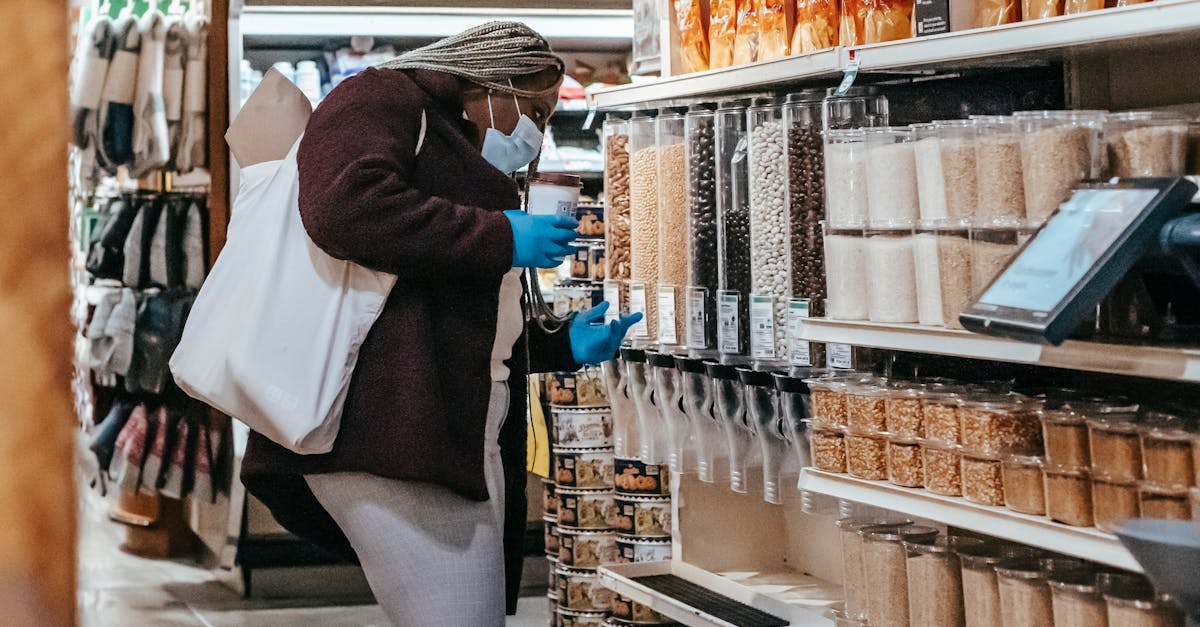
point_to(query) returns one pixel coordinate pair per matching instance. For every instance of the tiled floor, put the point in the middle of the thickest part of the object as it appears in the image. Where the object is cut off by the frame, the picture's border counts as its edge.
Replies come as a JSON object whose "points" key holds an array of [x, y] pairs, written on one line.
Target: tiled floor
{"points": [[120, 590]]}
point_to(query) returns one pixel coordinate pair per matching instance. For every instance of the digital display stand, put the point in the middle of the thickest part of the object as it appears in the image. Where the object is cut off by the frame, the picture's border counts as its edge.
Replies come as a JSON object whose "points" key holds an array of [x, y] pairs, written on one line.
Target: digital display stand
{"points": [[1082, 252]]}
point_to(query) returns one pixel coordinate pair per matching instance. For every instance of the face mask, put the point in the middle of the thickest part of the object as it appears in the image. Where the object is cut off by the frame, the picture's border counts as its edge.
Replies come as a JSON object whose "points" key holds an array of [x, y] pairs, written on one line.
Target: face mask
{"points": [[509, 153]]}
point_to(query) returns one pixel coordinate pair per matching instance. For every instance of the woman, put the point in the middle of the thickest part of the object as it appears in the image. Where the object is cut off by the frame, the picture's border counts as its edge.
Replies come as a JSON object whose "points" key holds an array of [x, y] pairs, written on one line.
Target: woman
{"points": [[406, 168]]}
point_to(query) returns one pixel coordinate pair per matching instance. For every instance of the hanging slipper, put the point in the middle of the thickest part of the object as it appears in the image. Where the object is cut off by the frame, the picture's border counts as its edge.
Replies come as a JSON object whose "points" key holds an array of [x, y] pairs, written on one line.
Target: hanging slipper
{"points": [[174, 65], [193, 147], [87, 86], [116, 103], [150, 142]]}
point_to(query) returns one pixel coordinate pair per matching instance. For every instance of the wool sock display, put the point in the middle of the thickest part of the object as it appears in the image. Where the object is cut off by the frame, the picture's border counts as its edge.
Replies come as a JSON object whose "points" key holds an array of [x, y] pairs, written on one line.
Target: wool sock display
{"points": [[87, 86], [150, 142], [174, 64], [193, 147], [116, 103]]}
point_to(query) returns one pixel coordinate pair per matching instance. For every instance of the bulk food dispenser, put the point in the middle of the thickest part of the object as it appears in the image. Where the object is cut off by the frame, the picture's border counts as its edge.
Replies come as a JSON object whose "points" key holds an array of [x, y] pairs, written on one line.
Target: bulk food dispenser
{"points": [[675, 435], [729, 401], [626, 441], [763, 416], [640, 388], [707, 436]]}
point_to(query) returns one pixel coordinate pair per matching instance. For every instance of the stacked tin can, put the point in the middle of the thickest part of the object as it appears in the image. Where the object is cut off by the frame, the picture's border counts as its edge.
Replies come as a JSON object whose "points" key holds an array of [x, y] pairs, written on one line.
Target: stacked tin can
{"points": [[582, 286]]}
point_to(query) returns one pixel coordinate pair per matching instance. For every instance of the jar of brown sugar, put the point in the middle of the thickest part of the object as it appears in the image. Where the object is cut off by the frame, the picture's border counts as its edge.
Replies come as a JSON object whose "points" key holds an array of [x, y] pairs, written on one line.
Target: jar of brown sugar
{"points": [[1115, 449], [1164, 502], [1065, 434], [1024, 485], [905, 466], [1114, 502], [982, 480], [998, 424], [943, 468], [1167, 451]]}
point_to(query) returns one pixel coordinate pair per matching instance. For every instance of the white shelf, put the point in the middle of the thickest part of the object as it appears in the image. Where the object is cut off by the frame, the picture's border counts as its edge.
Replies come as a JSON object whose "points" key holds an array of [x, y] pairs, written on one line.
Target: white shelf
{"points": [[1175, 364], [800, 599], [1158, 23], [1085, 542]]}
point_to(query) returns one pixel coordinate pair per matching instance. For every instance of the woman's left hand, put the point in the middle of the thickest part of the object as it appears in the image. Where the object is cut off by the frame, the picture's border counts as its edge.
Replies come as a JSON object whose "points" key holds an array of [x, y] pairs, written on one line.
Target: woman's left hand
{"points": [[592, 341]]}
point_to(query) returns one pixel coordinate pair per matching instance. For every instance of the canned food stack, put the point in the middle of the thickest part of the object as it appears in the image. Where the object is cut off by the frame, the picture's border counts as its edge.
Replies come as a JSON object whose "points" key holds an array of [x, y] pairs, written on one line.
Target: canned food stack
{"points": [[587, 267], [899, 574]]}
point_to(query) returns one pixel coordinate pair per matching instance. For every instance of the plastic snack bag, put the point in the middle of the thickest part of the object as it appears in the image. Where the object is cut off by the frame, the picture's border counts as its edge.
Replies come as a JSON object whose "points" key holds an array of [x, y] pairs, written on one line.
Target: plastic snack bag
{"points": [[722, 31], [745, 45], [816, 25], [1075, 7], [773, 29], [1040, 9], [693, 41], [996, 12], [852, 30], [887, 20]]}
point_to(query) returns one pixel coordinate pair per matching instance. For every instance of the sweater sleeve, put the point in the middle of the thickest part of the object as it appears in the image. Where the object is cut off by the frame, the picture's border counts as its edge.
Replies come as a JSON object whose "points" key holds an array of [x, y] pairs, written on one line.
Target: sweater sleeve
{"points": [[357, 200]]}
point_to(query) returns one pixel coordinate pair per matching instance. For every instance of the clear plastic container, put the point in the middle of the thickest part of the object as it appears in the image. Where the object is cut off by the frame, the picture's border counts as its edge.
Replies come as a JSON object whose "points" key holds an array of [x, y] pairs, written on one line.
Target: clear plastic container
{"points": [[763, 414], [828, 448], [1040, 9], [729, 402], [846, 197], [931, 180], [806, 197], [1144, 143], [700, 308], [954, 270], [1069, 496], [999, 424], [956, 141], [1024, 484], [640, 386], [1116, 450], [846, 272], [643, 212], [853, 572], [1025, 598], [1167, 450], [673, 236], [1058, 149], [928, 281], [891, 276], [858, 107], [841, 618], [616, 198], [1114, 502], [675, 429], [1065, 434], [999, 179], [875, 21], [866, 456], [1077, 600], [943, 468], [770, 248], [992, 247], [891, 175], [905, 466], [733, 231], [1132, 602], [829, 405], [1171, 503], [866, 408], [996, 12], [1194, 497], [903, 407], [698, 404], [939, 409], [885, 561], [982, 480], [935, 586], [626, 437], [795, 403], [981, 592]]}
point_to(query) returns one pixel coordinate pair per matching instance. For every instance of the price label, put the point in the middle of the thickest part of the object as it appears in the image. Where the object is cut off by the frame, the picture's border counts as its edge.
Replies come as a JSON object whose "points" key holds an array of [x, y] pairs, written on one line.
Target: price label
{"points": [[839, 356], [637, 304], [696, 316], [667, 334], [798, 310], [728, 340], [612, 296], [762, 326]]}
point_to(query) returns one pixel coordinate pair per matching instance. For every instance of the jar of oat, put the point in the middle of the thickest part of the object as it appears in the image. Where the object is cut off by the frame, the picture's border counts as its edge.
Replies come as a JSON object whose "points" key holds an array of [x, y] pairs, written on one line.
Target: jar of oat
{"points": [[999, 424], [1077, 600], [943, 468], [1164, 502], [1116, 450], [886, 563], [828, 401], [956, 139], [1024, 485], [1065, 434], [1114, 502], [828, 448], [983, 480], [935, 585], [905, 417], [905, 466], [1058, 150], [866, 408], [1025, 598], [1069, 496], [853, 572], [1167, 450], [954, 270], [866, 456], [981, 593], [1132, 602], [939, 413], [999, 180], [1146, 143]]}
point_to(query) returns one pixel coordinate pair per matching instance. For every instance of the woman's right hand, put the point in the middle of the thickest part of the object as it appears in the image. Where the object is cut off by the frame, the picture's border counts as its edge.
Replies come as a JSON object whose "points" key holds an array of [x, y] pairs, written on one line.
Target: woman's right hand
{"points": [[541, 241]]}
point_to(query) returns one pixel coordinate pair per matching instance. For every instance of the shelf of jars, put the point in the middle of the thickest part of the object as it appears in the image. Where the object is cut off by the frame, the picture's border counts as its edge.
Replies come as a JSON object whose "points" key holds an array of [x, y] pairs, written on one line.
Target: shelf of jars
{"points": [[1157, 362], [795, 599], [1037, 531], [1153, 22]]}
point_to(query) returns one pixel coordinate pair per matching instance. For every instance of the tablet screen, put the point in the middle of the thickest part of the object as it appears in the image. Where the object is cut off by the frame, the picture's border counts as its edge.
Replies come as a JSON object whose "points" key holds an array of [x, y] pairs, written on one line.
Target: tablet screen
{"points": [[1064, 250]]}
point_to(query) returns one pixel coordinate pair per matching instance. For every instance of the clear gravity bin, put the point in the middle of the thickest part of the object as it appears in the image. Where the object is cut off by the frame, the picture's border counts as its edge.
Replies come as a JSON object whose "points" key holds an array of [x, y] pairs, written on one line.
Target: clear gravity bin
{"points": [[707, 435], [640, 388], [626, 443], [729, 399], [763, 416], [668, 394]]}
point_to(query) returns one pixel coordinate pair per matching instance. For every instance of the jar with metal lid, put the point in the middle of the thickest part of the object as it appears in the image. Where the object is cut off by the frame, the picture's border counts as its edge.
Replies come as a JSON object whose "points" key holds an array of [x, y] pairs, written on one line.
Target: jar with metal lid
{"points": [[1024, 485], [886, 563], [853, 569], [806, 196], [733, 231], [935, 587], [701, 246], [643, 211], [770, 246], [616, 197]]}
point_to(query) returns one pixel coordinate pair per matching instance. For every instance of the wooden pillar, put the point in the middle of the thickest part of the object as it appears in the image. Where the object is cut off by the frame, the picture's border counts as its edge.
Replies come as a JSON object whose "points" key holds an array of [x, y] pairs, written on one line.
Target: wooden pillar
{"points": [[37, 490], [218, 121]]}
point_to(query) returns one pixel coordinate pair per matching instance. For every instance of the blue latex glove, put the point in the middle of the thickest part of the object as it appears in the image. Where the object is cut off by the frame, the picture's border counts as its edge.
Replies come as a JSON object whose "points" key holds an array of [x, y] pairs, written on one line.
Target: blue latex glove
{"points": [[592, 341], [541, 241]]}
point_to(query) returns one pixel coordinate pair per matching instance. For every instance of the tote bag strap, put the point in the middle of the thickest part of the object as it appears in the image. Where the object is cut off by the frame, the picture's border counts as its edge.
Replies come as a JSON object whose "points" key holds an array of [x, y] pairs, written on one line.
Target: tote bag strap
{"points": [[421, 134]]}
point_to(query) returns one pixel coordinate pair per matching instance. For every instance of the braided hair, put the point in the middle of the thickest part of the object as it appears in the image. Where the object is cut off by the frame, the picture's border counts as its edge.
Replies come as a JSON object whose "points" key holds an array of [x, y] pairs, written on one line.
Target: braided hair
{"points": [[488, 55]]}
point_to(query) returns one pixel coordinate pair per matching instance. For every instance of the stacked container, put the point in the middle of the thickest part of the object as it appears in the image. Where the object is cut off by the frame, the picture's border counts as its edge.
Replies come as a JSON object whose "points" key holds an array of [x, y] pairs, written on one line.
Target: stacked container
{"points": [[703, 267], [770, 249], [733, 233]]}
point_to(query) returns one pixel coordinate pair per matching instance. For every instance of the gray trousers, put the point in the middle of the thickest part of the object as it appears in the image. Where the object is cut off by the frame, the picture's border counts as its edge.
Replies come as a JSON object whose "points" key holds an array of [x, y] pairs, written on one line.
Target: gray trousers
{"points": [[432, 557]]}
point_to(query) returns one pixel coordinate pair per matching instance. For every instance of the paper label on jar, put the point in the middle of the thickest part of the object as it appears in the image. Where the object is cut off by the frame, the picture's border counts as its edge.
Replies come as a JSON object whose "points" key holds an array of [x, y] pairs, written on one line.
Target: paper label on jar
{"points": [[839, 356], [612, 296], [762, 326], [695, 318], [728, 341], [637, 304], [667, 333], [798, 309]]}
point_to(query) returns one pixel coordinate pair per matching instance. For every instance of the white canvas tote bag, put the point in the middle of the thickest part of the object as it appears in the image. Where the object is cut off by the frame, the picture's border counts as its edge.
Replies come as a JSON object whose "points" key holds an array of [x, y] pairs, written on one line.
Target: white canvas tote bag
{"points": [[274, 334]]}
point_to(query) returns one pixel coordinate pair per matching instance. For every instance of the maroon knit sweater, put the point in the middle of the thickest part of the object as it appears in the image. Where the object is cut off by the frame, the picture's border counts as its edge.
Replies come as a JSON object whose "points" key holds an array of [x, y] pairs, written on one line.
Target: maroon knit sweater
{"points": [[418, 398]]}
